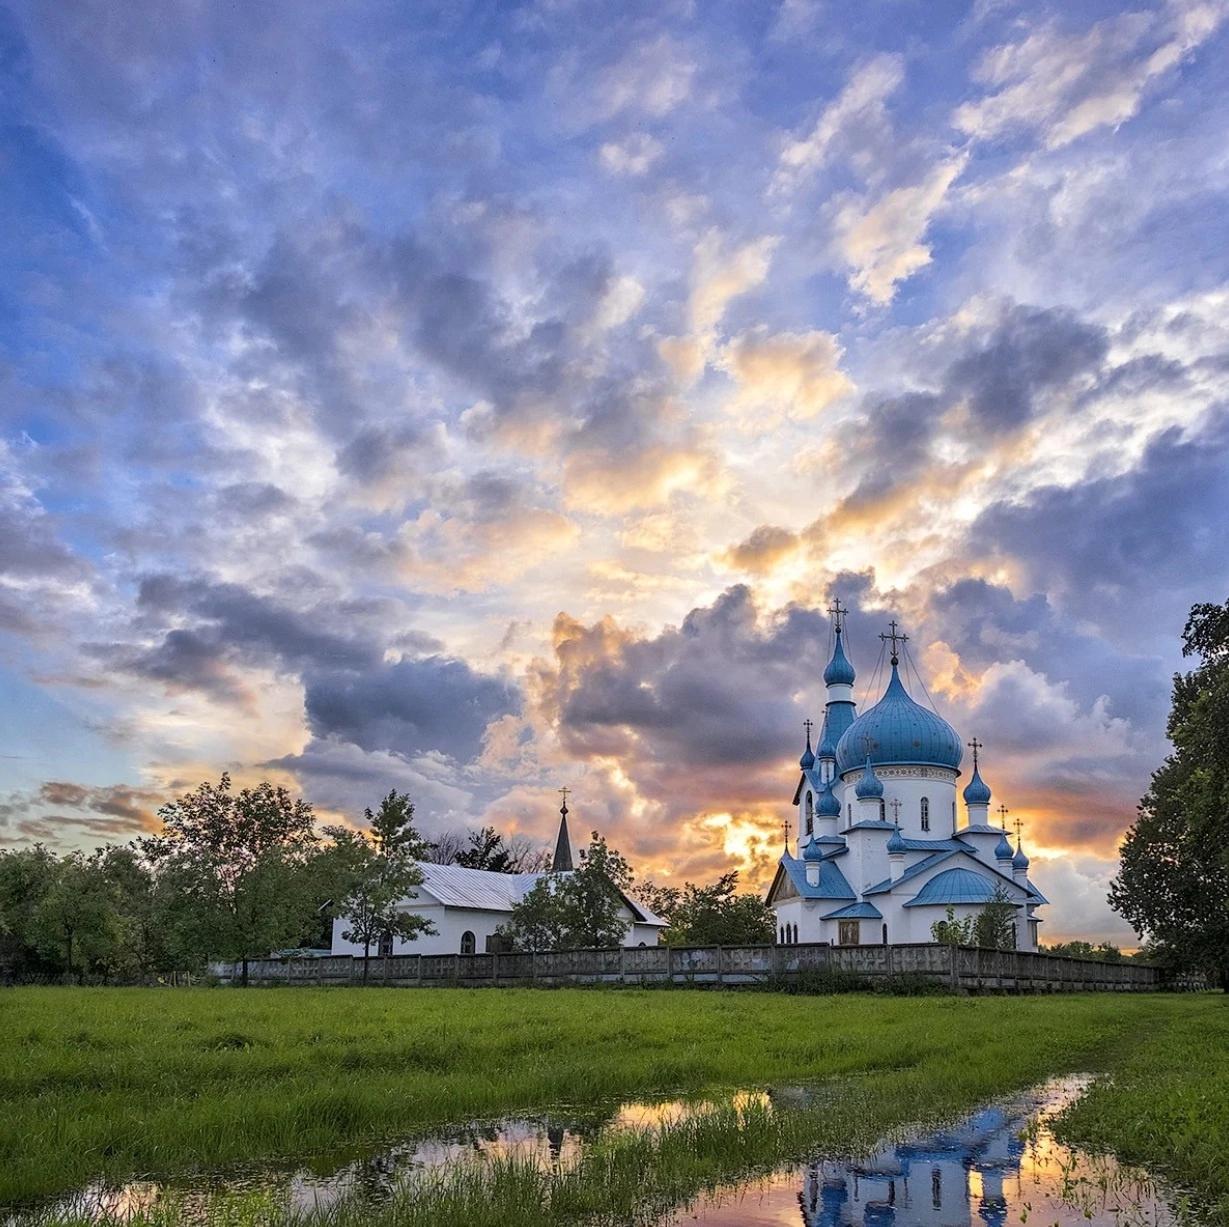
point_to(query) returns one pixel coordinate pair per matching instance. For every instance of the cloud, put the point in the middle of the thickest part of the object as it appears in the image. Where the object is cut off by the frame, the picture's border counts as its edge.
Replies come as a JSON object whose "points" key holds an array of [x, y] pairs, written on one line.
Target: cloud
{"points": [[764, 549], [635, 155], [1065, 85], [797, 373], [882, 240], [436, 704], [856, 118]]}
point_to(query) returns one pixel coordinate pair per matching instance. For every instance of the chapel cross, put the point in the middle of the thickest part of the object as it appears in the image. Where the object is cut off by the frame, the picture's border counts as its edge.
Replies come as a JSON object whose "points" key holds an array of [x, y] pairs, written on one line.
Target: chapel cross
{"points": [[976, 745], [786, 824], [1003, 812], [894, 637], [563, 809], [808, 724], [1019, 824], [895, 804], [838, 613]]}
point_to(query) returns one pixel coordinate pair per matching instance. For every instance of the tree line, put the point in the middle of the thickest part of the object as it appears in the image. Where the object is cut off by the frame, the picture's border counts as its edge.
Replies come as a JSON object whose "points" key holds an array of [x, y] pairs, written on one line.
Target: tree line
{"points": [[239, 874]]}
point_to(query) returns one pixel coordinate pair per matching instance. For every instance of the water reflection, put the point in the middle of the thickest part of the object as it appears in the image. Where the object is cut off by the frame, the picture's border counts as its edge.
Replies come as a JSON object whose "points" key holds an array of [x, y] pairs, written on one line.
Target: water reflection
{"points": [[1000, 1165]]}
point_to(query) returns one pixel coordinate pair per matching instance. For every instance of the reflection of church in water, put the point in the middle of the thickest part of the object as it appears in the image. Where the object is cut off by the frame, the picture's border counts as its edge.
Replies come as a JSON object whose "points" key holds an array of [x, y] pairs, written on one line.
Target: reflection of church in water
{"points": [[944, 1179]]}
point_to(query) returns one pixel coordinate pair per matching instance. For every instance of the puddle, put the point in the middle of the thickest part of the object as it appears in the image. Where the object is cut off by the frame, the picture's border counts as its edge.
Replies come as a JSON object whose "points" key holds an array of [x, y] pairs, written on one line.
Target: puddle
{"points": [[1000, 1165]]}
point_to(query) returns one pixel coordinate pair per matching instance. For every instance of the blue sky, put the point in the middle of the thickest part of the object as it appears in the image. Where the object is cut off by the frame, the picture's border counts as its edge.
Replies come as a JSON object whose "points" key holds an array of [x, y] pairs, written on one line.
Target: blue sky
{"points": [[473, 399]]}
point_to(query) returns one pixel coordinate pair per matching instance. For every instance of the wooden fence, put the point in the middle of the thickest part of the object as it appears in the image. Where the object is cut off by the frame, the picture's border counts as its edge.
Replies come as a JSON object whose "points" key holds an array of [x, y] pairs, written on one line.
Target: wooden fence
{"points": [[959, 968]]}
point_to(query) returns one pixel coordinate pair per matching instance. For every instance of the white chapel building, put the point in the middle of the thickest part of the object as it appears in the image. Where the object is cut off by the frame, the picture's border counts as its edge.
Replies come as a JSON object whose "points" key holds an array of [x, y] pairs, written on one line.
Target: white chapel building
{"points": [[883, 849], [468, 906]]}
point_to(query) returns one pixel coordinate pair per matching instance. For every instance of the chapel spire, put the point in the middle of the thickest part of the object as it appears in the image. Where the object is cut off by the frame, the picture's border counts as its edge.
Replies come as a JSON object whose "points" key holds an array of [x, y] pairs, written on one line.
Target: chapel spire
{"points": [[562, 862]]}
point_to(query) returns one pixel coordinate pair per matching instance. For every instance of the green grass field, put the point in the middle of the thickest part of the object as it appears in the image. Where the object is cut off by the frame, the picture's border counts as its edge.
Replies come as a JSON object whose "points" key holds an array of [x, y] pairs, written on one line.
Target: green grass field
{"points": [[117, 1082]]}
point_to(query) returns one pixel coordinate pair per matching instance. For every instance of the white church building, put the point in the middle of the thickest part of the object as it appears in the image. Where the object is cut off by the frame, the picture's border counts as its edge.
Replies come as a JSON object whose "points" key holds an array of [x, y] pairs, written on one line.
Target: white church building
{"points": [[883, 849], [468, 907]]}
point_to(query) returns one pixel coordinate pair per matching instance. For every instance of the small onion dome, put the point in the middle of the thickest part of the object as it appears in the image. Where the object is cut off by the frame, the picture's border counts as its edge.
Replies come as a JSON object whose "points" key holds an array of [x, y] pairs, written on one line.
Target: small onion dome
{"points": [[897, 843], [839, 671], [807, 761], [976, 791], [1019, 861], [812, 852], [1002, 850], [829, 804], [827, 747], [870, 785]]}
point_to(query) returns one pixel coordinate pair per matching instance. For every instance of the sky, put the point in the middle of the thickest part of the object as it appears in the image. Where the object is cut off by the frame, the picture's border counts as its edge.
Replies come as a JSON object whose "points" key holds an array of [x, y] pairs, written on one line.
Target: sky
{"points": [[475, 399]]}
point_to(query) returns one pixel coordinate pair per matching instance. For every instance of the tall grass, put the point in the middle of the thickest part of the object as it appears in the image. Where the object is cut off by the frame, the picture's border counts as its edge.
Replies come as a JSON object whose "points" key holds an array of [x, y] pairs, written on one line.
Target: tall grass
{"points": [[108, 1083]]}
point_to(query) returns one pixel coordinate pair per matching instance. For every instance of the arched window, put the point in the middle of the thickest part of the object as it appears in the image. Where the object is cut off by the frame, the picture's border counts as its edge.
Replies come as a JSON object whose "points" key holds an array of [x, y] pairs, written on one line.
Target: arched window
{"points": [[953, 815], [885, 935], [883, 810], [793, 935], [468, 942], [925, 813], [386, 945], [810, 812], [781, 934], [849, 811]]}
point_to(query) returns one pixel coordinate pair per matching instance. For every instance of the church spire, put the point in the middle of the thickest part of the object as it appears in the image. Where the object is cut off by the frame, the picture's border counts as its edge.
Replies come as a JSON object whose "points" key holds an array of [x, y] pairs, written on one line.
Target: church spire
{"points": [[562, 862]]}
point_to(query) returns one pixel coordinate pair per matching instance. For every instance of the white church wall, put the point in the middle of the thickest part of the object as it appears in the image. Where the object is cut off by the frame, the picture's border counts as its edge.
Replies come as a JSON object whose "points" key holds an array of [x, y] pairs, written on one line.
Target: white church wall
{"points": [[907, 786]]}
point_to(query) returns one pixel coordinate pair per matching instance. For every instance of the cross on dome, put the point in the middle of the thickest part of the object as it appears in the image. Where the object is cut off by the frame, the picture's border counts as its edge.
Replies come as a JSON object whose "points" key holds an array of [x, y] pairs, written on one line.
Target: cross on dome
{"points": [[563, 809], [1003, 812], [894, 637], [975, 746], [838, 612]]}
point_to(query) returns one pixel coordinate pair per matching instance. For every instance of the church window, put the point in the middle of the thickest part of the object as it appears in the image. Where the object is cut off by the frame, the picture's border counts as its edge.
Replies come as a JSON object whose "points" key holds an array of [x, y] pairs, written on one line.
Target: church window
{"points": [[883, 810], [386, 945], [936, 1188], [849, 811], [953, 815], [925, 813], [810, 812], [468, 942], [781, 935], [848, 934], [885, 935]]}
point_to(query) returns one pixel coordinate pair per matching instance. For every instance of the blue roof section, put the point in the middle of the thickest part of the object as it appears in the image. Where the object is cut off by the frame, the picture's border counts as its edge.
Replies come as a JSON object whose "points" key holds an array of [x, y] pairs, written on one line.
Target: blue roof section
{"points": [[855, 911], [1034, 894], [912, 871], [871, 824], [979, 828], [832, 882], [839, 671], [934, 845], [898, 730], [840, 715], [955, 886]]}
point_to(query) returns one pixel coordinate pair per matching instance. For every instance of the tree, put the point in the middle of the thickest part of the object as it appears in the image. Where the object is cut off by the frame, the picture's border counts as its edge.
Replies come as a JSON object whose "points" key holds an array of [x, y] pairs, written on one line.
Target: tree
{"points": [[243, 868], [995, 925], [77, 919], [715, 915], [1173, 882], [1105, 952], [951, 931], [26, 876], [576, 910], [380, 869], [487, 849]]}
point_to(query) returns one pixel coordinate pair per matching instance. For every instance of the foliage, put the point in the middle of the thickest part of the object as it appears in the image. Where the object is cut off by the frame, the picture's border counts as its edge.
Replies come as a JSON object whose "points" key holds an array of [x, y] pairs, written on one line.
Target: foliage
{"points": [[100, 1085], [575, 910], [487, 849], [379, 869], [245, 865], [952, 931], [1173, 883], [995, 925], [715, 915], [1105, 952]]}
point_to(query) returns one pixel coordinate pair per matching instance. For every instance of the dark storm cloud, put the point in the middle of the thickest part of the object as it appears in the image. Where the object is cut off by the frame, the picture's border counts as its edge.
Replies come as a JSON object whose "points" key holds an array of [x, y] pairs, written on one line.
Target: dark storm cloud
{"points": [[411, 707], [1133, 550], [1031, 350]]}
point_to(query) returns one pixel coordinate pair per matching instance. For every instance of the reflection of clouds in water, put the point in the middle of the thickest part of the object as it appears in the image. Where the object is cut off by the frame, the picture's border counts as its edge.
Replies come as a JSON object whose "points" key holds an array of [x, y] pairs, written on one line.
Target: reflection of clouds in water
{"points": [[1000, 1164]]}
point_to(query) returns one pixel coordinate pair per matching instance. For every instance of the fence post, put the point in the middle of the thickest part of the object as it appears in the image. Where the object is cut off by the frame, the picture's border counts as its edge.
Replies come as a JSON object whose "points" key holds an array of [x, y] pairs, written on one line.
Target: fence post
{"points": [[533, 966], [622, 964], [954, 952], [669, 964]]}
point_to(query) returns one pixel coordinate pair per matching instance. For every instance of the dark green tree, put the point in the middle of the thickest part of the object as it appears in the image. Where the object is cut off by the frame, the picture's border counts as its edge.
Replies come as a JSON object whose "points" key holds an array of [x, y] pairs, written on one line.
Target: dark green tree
{"points": [[242, 867], [1173, 883], [715, 915], [951, 931], [994, 928], [378, 869], [582, 909]]}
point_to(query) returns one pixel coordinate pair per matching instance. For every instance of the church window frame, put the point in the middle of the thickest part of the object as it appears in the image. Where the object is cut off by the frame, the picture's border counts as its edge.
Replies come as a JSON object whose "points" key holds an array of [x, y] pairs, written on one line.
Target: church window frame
{"points": [[883, 810], [384, 946], [469, 942], [849, 932], [925, 813], [810, 813]]}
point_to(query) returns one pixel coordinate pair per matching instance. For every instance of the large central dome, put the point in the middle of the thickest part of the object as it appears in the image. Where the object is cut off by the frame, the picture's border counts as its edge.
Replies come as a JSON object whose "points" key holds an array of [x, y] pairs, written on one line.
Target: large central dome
{"points": [[898, 730]]}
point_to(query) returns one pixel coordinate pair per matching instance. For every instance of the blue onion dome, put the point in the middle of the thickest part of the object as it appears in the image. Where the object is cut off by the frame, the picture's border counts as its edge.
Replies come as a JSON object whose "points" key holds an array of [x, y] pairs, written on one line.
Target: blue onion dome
{"points": [[898, 730], [977, 791], [839, 671], [1002, 850], [827, 747], [812, 852], [897, 842], [807, 761], [870, 785], [1019, 861], [829, 803]]}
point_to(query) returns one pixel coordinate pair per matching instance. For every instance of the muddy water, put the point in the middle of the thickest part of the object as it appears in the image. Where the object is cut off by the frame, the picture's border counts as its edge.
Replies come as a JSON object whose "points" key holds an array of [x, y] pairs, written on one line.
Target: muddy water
{"points": [[1000, 1165]]}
